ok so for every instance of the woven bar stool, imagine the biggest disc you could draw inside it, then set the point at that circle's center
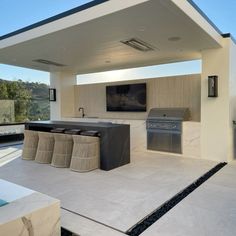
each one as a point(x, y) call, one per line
point(45, 148)
point(86, 153)
point(62, 150)
point(30, 145)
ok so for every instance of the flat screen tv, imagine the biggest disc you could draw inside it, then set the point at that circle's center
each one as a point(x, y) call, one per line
point(128, 97)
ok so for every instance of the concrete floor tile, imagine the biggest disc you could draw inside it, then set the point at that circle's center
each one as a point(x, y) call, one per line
point(118, 198)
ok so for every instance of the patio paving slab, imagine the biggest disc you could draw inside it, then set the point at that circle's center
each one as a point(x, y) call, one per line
point(209, 210)
point(118, 198)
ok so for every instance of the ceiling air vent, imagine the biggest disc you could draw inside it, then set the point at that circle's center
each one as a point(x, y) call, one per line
point(138, 45)
point(52, 63)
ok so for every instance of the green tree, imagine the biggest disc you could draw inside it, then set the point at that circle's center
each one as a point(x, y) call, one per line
point(31, 99)
point(3, 91)
point(17, 91)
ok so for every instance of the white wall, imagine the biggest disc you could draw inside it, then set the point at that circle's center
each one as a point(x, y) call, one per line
point(232, 87)
point(64, 84)
point(217, 113)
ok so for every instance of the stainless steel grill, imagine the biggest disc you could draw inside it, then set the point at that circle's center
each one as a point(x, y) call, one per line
point(164, 129)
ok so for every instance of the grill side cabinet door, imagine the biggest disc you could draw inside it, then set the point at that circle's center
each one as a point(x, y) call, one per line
point(176, 145)
point(164, 141)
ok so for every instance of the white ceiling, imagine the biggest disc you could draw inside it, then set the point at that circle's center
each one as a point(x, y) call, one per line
point(95, 45)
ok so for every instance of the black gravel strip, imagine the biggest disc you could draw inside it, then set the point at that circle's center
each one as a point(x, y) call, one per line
point(65, 232)
point(163, 209)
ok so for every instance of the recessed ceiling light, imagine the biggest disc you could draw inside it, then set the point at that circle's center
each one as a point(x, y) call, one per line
point(174, 39)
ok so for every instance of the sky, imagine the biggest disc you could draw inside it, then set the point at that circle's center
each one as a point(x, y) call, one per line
point(15, 14)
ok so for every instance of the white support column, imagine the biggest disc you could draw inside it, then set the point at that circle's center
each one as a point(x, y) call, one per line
point(216, 113)
point(64, 83)
point(232, 87)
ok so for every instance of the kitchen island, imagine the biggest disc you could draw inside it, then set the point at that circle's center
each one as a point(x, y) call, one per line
point(114, 139)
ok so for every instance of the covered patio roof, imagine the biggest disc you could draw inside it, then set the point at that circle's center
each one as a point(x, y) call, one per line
point(89, 39)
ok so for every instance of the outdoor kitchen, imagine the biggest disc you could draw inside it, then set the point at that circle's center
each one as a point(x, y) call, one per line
point(176, 107)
